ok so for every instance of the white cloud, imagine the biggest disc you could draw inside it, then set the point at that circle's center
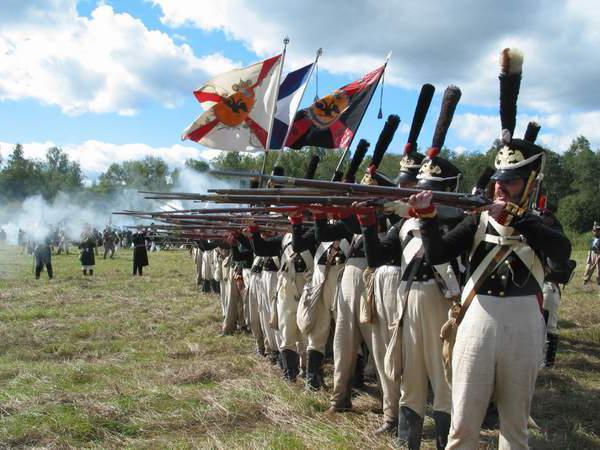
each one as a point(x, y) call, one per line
point(95, 156)
point(109, 62)
point(557, 133)
point(439, 42)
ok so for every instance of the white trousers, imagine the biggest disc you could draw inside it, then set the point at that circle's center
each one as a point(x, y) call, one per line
point(288, 296)
point(254, 289)
point(498, 352)
point(386, 284)
point(316, 338)
point(267, 297)
point(426, 312)
point(232, 299)
point(348, 331)
point(551, 304)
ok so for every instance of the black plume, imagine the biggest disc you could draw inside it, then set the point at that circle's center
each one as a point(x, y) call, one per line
point(421, 109)
point(357, 158)
point(531, 134)
point(337, 176)
point(451, 98)
point(483, 180)
point(278, 171)
point(385, 139)
point(511, 63)
point(312, 167)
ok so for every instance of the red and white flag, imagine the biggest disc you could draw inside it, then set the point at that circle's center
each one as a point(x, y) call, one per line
point(239, 106)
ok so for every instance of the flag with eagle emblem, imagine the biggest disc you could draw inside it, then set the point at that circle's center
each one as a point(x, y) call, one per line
point(238, 108)
point(332, 121)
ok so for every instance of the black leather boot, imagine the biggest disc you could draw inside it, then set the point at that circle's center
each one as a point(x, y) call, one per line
point(314, 372)
point(442, 429)
point(551, 350)
point(274, 358)
point(410, 429)
point(389, 427)
point(358, 379)
point(290, 364)
point(205, 286)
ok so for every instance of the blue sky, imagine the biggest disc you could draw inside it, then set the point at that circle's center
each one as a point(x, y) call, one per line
point(113, 80)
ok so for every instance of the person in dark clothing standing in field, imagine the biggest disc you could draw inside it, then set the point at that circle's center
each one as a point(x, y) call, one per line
point(140, 254)
point(43, 257)
point(87, 248)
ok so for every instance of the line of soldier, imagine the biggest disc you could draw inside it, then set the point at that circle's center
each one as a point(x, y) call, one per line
point(458, 304)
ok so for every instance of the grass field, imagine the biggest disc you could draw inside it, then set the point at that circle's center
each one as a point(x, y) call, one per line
point(113, 361)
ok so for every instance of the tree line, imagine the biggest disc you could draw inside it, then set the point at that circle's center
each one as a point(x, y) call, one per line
point(571, 182)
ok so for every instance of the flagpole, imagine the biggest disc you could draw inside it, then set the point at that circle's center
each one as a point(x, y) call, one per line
point(286, 41)
point(312, 69)
point(341, 161)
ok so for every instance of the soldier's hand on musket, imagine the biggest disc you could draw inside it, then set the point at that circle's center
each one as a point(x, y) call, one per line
point(422, 200)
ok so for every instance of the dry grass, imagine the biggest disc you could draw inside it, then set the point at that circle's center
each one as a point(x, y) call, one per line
point(115, 361)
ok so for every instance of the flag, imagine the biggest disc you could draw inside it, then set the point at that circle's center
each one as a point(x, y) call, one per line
point(332, 121)
point(238, 108)
point(288, 100)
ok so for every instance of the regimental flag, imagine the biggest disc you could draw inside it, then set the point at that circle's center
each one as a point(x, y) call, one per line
point(332, 121)
point(288, 100)
point(238, 108)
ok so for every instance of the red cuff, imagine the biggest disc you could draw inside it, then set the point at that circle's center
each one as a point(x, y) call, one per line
point(425, 212)
point(296, 220)
point(367, 219)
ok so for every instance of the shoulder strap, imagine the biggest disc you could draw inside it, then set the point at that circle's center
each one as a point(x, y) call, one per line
point(417, 260)
point(487, 270)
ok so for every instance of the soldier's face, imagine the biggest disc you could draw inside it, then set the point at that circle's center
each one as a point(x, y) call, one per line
point(509, 191)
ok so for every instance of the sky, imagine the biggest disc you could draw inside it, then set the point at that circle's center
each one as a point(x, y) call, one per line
point(111, 80)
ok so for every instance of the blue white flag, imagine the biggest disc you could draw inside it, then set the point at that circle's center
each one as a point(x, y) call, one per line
point(288, 101)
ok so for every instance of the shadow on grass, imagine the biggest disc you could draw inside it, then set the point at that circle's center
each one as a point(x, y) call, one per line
point(566, 324)
point(569, 344)
point(567, 411)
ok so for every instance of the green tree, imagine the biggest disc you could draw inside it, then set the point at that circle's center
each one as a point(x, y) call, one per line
point(149, 173)
point(20, 177)
point(60, 174)
point(198, 165)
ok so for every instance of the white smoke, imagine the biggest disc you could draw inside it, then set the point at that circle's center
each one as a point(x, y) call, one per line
point(72, 213)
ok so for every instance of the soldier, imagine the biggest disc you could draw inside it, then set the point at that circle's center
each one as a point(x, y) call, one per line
point(63, 243)
point(319, 303)
point(593, 257)
point(43, 257)
point(108, 239)
point(387, 275)
point(2, 235)
point(498, 347)
point(140, 253)
point(556, 274)
point(87, 254)
point(242, 257)
point(424, 295)
point(197, 256)
point(207, 265)
point(229, 292)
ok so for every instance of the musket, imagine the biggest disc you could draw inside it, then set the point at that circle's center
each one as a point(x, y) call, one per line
point(456, 199)
point(272, 191)
point(220, 218)
point(296, 200)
